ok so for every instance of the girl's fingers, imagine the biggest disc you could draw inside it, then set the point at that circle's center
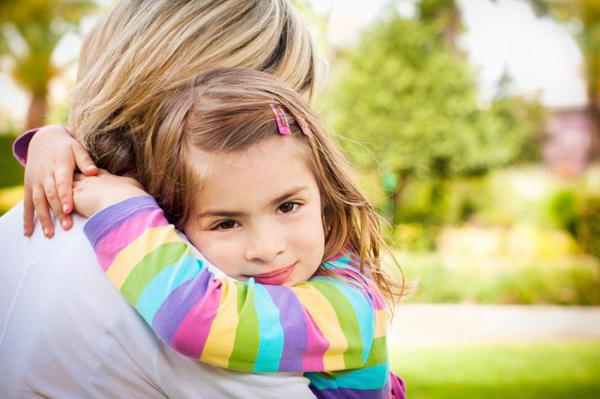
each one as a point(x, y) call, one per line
point(63, 178)
point(42, 210)
point(78, 177)
point(83, 160)
point(28, 212)
point(55, 202)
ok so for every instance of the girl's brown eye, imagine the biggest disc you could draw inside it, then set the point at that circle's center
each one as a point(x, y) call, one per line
point(226, 225)
point(288, 207)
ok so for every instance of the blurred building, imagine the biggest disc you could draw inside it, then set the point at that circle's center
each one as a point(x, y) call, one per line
point(567, 149)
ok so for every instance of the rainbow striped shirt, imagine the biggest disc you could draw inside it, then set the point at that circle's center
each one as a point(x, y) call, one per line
point(329, 328)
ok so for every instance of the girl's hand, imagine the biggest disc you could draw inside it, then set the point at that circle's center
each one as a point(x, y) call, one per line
point(53, 155)
point(94, 193)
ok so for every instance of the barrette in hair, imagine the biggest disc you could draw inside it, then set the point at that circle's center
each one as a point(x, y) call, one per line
point(284, 126)
point(304, 126)
point(282, 123)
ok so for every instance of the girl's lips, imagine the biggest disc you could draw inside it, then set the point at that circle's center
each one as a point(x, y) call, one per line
point(276, 277)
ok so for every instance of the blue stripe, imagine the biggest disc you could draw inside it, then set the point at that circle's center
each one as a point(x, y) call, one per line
point(270, 332)
point(164, 283)
point(374, 377)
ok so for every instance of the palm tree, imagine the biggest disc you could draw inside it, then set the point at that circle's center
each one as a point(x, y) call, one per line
point(29, 33)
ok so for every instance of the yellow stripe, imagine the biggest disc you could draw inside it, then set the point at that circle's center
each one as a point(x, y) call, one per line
point(326, 319)
point(132, 254)
point(221, 337)
point(381, 322)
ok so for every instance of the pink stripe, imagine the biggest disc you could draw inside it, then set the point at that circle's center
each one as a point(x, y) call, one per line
point(115, 241)
point(193, 331)
point(316, 346)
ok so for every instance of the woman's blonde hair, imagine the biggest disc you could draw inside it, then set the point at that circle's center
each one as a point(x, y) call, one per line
point(144, 49)
point(228, 110)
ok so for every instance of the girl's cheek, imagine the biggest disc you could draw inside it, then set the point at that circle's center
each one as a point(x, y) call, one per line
point(309, 235)
point(222, 253)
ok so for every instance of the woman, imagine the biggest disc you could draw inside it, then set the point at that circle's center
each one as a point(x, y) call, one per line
point(141, 50)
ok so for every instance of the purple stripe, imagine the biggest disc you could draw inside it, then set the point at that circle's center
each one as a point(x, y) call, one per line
point(21, 145)
point(105, 221)
point(179, 303)
point(351, 393)
point(293, 323)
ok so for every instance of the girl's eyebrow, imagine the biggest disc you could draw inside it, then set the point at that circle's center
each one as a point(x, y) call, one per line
point(226, 213)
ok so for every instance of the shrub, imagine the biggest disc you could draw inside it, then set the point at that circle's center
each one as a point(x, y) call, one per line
point(9, 198)
point(12, 172)
point(570, 280)
point(588, 226)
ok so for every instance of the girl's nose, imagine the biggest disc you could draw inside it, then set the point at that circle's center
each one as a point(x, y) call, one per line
point(264, 244)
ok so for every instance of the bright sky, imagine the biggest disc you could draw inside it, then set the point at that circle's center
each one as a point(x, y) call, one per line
point(539, 54)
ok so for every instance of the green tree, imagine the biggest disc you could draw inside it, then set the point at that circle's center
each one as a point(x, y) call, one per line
point(29, 33)
point(582, 18)
point(445, 15)
point(523, 117)
point(406, 105)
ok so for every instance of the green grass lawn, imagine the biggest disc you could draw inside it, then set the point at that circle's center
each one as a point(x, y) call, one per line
point(543, 370)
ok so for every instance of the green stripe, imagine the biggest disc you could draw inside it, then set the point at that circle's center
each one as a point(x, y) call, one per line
point(378, 354)
point(347, 319)
point(245, 347)
point(152, 264)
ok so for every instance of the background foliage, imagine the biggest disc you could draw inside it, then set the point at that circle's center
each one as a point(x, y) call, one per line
point(459, 180)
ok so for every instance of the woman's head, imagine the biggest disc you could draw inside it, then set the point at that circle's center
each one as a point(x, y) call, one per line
point(144, 49)
point(220, 168)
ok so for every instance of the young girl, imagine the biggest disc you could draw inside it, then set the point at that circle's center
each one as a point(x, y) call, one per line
point(262, 192)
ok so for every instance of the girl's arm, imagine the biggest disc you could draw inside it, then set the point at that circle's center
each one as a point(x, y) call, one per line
point(325, 324)
point(50, 155)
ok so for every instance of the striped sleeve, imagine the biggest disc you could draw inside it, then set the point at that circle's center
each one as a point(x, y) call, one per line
point(325, 324)
point(21, 145)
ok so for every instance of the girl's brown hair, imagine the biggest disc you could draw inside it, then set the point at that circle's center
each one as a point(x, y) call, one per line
point(228, 110)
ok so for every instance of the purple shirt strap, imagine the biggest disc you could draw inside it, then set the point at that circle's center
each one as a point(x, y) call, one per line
point(21, 145)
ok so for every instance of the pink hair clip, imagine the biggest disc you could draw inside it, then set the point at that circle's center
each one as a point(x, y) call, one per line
point(282, 123)
point(304, 126)
point(284, 126)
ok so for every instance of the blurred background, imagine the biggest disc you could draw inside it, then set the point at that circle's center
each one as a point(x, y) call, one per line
point(474, 127)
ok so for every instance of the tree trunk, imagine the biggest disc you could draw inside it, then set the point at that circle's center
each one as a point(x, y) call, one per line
point(452, 30)
point(594, 112)
point(38, 107)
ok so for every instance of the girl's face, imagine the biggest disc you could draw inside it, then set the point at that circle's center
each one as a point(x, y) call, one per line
point(260, 214)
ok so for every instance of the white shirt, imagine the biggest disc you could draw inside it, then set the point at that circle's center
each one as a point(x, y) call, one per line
point(66, 332)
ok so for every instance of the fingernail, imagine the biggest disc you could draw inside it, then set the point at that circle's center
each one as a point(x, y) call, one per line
point(91, 167)
point(65, 224)
point(46, 231)
point(65, 208)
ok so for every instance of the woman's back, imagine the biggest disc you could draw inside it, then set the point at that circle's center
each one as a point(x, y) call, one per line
point(64, 330)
